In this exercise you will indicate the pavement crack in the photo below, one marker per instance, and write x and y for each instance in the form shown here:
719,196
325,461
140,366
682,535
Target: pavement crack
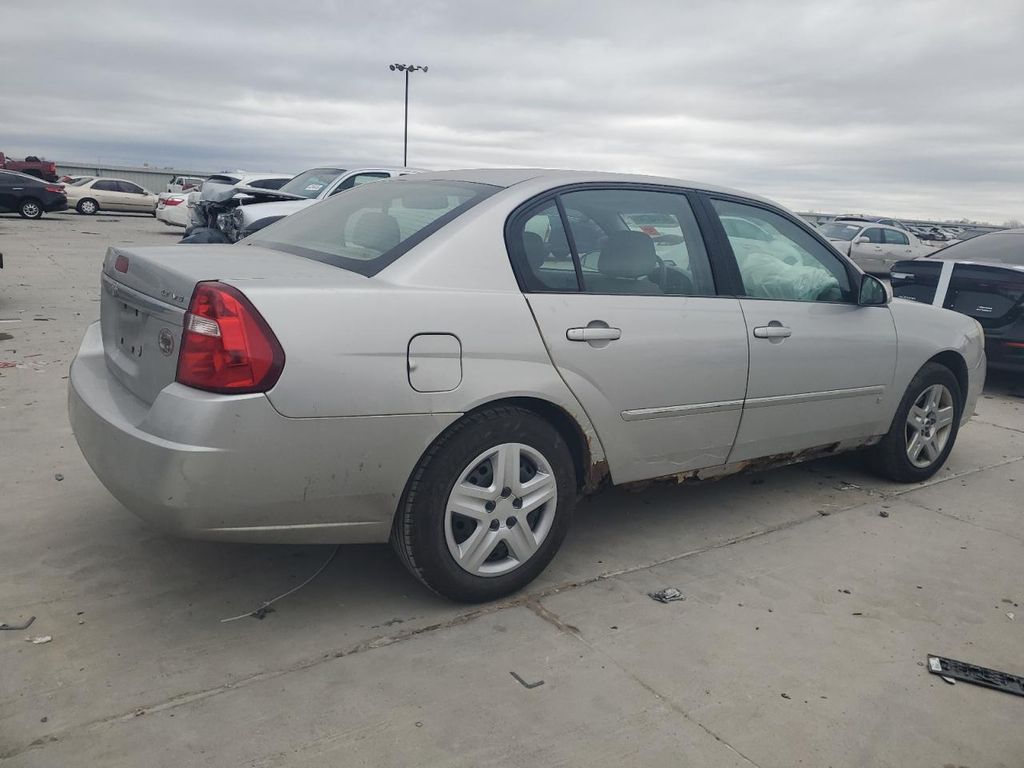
551,618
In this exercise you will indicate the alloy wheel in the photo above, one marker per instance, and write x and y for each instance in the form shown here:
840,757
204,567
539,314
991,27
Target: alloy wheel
929,425
500,509
30,210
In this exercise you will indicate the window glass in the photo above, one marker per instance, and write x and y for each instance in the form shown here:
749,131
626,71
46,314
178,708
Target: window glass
638,242
359,178
106,186
268,183
127,186
791,265
892,237
312,182
997,247
369,227
835,230
542,250
873,234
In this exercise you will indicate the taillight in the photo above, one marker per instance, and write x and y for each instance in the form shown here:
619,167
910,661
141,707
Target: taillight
121,263
172,201
54,188
227,346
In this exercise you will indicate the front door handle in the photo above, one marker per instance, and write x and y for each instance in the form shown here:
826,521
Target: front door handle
774,330
593,334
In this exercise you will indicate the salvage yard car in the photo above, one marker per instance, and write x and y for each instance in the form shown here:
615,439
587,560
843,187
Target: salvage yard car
301,192
30,196
90,195
449,360
982,277
874,247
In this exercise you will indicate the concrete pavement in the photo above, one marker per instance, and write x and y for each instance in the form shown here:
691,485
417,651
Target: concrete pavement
364,667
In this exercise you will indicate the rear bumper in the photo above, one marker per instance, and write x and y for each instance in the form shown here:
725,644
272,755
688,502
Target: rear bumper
975,385
232,468
56,205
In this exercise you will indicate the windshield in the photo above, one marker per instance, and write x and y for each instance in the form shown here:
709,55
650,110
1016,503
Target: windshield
371,225
995,247
838,231
312,182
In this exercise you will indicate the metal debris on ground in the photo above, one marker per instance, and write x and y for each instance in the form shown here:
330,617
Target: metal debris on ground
1011,615
58,477
667,595
948,669
525,684
263,610
883,513
24,625
39,640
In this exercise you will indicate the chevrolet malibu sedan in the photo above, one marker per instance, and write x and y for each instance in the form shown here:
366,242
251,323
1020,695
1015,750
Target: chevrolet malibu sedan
450,360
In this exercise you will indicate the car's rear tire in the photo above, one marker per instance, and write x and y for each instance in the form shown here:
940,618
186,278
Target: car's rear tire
472,531
30,208
924,429
88,206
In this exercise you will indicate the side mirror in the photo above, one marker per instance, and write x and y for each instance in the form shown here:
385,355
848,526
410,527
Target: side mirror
859,240
873,292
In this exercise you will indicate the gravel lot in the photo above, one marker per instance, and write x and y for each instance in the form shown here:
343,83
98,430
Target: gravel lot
801,640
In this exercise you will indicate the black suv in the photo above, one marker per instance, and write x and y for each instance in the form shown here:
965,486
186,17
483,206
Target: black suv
30,196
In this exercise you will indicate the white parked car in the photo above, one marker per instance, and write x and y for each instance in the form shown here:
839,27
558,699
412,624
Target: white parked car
172,209
874,247
184,183
307,188
449,360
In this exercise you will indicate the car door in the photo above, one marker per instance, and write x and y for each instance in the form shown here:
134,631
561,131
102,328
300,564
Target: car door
8,196
897,247
134,197
634,326
868,250
108,194
820,364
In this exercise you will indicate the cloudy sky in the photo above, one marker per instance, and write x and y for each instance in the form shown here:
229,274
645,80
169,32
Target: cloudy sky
902,108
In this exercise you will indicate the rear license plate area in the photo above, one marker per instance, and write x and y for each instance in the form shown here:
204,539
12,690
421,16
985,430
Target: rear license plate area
131,323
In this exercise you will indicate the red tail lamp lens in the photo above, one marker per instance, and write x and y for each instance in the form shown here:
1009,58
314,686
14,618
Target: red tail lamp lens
227,346
121,263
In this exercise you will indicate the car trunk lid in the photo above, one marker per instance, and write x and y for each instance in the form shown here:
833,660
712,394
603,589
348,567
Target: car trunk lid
146,293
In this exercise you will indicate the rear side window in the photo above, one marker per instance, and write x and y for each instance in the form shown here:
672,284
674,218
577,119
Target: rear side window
619,241
892,237
106,186
371,225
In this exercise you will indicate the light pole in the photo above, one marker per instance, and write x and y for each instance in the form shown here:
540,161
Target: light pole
407,68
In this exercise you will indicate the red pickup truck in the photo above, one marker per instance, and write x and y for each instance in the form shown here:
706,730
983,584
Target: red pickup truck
32,165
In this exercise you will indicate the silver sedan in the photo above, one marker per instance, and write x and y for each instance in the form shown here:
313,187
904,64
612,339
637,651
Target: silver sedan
450,360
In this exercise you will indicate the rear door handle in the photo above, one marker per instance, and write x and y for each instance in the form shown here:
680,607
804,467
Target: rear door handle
772,332
593,334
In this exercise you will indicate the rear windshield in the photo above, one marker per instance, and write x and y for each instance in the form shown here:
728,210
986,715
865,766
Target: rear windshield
311,183
371,225
997,247
839,231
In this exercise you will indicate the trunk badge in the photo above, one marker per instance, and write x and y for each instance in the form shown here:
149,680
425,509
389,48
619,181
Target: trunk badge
165,340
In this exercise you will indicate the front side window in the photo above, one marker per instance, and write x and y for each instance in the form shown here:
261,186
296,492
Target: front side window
127,186
369,227
311,183
791,265
357,179
636,241
873,235
106,186
892,237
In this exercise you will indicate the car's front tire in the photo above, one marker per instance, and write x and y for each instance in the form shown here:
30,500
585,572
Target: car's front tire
488,505
924,429
30,209
88,206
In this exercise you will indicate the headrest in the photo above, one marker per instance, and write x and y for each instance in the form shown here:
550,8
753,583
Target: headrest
377,231
627,254
536,251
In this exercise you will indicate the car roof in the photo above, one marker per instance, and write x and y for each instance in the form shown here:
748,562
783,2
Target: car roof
21,175
509,177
